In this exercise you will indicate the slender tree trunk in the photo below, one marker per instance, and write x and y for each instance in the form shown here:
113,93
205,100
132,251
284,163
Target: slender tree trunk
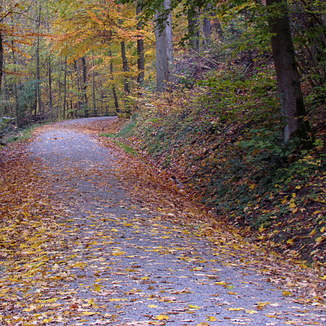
6,93
50,85
169,38
288,79
114,93
140,52
65,90
193,29
38,106
59,100
49,70
125,67
1,61
93,87
207,27
164,50
84,86
79,87
18,109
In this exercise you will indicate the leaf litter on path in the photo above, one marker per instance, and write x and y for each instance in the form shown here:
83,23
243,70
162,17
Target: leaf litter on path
76,250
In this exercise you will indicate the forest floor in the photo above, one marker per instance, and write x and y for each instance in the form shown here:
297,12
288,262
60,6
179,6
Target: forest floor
90,235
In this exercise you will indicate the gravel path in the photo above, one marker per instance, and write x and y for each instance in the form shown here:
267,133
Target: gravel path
121,266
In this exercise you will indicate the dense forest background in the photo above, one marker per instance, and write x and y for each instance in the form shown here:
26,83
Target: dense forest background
227,96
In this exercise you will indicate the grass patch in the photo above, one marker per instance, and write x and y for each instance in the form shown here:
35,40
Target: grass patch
19,134
126,131
126,148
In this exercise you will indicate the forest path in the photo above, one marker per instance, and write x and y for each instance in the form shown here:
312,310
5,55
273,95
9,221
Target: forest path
88,255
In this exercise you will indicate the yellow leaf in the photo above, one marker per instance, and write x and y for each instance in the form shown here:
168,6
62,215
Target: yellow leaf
91,302
293,204
194,307
197,268
221,283
211,318
97,287
114,230
88,313
319,240
251,311
290,242
235,309
48,300
118,253
152,306
79,264
117,299
46,321
287,293
313,232
162,317
262,305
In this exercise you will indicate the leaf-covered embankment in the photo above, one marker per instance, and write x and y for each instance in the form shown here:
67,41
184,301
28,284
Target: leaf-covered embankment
223,147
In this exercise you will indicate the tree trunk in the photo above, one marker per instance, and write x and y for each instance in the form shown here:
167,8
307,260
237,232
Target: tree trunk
1,61
169,38
288,79
64,109
140,52
84,85
38,104
114,93
93,88
193,30
125,67
207,31
50,85
164,50
49,69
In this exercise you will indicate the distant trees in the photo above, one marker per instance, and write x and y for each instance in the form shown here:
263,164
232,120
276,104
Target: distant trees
74,56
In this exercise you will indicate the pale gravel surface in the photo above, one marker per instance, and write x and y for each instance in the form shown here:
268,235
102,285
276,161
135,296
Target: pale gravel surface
132,268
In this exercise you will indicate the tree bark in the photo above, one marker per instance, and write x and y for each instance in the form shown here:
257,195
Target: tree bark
164,49
125,67
38,103
1,61
93,87
50,84
140,52
207,31
84,85
288,79
64,109
193,30
114,93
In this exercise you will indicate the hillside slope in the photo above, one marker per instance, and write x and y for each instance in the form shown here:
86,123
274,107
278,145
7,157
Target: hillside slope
228,152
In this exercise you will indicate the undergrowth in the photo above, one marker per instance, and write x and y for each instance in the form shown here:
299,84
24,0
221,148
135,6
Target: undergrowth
222,140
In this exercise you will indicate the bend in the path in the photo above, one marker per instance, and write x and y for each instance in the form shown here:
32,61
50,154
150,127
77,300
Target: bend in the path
118,265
